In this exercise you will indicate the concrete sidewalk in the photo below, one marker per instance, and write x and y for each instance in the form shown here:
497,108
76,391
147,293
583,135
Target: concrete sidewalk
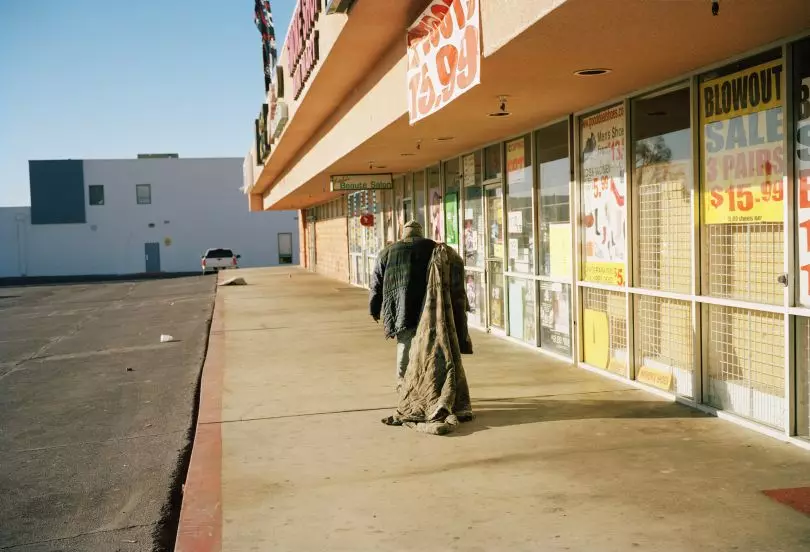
290,453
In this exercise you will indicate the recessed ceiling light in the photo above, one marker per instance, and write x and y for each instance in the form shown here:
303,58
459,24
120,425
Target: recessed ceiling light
591,72
380,167
407,154
444,138
500,114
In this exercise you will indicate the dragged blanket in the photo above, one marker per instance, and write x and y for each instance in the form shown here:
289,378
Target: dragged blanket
435,396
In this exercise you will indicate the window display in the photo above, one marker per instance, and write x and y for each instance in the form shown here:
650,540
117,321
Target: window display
555,317
436,218
452,178
473,225
801,109
522,314
603,196
742,149
419,197
492,162
662,179
520,220
554,177
476,295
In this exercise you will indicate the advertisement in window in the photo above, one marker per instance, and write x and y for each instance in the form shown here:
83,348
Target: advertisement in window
744,159
604,217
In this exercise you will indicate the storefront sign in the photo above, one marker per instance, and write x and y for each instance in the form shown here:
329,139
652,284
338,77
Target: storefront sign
656,377
262,136
516,161
348,182
279,120
444,55
603,198
302,44
744,159
803,183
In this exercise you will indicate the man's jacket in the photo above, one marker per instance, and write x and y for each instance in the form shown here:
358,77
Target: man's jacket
399,284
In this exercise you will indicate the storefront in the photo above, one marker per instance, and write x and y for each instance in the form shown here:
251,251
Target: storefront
662,237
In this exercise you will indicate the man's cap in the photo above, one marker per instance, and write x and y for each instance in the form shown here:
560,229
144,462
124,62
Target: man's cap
413,224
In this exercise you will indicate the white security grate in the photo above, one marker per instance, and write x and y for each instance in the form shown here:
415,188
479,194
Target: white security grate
745,261
747,363
665,229
665,342
612,305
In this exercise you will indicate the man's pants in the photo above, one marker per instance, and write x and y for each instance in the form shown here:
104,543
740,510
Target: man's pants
404,339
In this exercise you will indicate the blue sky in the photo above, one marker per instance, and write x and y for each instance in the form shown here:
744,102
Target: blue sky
86,79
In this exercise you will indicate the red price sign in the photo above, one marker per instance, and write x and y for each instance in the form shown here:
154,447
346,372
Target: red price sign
444,55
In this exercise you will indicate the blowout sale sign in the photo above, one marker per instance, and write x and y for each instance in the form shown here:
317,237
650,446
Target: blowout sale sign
444,55
744,158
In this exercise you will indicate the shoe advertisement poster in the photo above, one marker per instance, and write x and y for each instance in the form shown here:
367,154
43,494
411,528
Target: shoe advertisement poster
604,215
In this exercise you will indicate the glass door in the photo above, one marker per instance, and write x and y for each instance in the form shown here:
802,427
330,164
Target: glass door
495,250
473,238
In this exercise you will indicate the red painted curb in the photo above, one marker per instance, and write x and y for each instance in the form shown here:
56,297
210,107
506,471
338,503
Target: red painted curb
200,527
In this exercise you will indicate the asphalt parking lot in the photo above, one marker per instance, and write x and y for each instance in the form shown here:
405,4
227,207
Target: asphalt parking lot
95,411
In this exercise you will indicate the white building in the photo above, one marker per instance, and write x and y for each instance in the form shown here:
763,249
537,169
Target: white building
133,216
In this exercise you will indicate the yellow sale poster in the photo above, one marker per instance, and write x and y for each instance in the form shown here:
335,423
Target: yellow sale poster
743,152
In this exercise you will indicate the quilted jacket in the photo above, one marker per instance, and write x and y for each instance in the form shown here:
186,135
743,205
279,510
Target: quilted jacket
399,284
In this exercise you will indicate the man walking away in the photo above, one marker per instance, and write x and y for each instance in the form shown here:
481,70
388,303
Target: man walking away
398,288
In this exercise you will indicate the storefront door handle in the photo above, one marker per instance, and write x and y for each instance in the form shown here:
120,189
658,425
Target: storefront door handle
783,279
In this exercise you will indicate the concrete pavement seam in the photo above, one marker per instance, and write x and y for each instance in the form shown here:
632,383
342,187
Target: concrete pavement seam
88,533
105,442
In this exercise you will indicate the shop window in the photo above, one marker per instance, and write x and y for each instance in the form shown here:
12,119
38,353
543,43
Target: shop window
801,110
664,344
604,330
476,296
554,175
407,201
497,297
452,178
746,351
474,231
742,159
419,197
520,217
492,162
522,314
399,184
436,217
555,317
388,210
662,184
604,212
96,193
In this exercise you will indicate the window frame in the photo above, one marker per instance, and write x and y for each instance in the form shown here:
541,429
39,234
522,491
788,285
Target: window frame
139,187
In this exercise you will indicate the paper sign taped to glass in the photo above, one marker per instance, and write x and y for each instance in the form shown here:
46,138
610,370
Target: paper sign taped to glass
742,124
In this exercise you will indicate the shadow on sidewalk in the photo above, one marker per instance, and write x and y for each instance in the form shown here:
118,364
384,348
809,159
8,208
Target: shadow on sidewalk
491,414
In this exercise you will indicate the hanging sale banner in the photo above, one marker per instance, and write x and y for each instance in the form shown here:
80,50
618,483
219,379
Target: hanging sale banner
743,146
604,216
516,161
444,55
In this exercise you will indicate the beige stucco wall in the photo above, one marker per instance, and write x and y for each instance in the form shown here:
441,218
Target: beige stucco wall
503,20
